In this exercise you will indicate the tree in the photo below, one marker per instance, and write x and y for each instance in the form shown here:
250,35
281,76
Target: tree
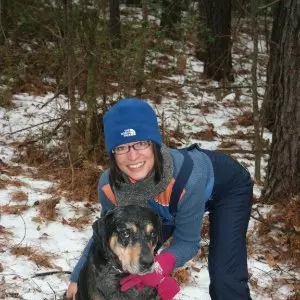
283,174
4,7
114,23
218,64
69,54
171,17
269,103
90,21
256,113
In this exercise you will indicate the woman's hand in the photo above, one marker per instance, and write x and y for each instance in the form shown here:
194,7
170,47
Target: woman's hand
72,290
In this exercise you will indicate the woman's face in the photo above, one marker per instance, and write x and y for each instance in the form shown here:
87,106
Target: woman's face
137,164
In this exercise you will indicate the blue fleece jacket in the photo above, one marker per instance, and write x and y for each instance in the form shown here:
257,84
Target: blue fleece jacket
213,174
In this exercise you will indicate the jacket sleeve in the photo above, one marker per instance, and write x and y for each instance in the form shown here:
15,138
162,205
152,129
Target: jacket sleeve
188,221
81,262
105,205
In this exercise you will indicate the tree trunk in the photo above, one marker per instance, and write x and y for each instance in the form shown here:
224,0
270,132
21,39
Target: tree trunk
69,54
283,175
171,17
142,52
256,113
90,23
3,21
114,23
272,91
218,64
133,2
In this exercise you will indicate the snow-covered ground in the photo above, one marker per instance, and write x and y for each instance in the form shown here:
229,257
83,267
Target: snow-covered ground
198,112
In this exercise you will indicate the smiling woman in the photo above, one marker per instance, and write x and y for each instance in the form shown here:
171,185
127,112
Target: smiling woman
144,172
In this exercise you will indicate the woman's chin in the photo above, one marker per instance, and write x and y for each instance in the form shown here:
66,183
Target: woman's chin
137,175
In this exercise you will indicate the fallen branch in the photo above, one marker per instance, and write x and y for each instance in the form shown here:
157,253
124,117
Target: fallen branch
264,151
29,127
61,90
50,273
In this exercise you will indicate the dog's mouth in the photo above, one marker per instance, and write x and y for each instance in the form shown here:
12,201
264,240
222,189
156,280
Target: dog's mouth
144,271
137,269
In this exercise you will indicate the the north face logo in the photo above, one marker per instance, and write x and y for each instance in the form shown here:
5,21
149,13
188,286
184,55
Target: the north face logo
128,132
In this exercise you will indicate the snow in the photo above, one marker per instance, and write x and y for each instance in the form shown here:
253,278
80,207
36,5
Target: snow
65,243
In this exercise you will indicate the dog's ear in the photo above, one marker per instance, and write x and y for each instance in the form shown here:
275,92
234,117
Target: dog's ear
99,229
101,235
100,225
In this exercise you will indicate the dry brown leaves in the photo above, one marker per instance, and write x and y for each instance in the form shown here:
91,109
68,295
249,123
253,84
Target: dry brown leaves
227,144
182,275
208,134
78,222
13,209
19,196
47,209
80,184
5,237
30,154
285,243
42,259
4,182
278,244
246,119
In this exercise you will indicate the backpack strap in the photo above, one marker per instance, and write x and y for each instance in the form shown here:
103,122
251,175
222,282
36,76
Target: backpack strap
181,180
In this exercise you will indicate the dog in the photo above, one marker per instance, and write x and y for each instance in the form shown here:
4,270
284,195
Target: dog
124,243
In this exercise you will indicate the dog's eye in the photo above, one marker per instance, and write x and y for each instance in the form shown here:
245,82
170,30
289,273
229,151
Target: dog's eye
125,234
152,236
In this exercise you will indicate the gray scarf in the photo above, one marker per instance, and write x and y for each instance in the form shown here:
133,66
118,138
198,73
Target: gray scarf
141,191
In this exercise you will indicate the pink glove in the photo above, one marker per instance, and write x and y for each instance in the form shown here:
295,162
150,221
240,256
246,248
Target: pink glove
166,286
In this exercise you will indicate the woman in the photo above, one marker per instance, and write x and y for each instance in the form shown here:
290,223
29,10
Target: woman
143,171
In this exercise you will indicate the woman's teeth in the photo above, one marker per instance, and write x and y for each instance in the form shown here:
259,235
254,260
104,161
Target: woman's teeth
136,165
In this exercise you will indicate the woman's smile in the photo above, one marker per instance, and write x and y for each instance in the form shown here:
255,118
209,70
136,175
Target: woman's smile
136,166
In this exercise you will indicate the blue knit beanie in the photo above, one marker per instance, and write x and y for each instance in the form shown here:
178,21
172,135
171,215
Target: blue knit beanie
130,120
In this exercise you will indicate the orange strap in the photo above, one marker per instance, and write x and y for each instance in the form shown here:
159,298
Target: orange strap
109,194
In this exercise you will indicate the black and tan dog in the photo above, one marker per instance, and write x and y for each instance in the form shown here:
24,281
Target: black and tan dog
124,243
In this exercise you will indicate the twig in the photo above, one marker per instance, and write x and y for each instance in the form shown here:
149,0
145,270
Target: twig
268,5
52,290
49,121
47,136
211,88
61,90
25,231
54,97
264,151
50,273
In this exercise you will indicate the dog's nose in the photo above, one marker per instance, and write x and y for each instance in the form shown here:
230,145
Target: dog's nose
146,262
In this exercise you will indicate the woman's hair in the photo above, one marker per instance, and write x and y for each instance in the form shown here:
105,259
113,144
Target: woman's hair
116,176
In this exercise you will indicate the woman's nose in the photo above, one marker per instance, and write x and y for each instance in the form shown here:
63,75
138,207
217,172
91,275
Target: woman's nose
132,154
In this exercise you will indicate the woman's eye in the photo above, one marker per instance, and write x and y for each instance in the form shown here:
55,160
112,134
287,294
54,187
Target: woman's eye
120,148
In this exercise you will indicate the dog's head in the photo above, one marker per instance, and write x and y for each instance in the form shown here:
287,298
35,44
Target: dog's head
129,234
